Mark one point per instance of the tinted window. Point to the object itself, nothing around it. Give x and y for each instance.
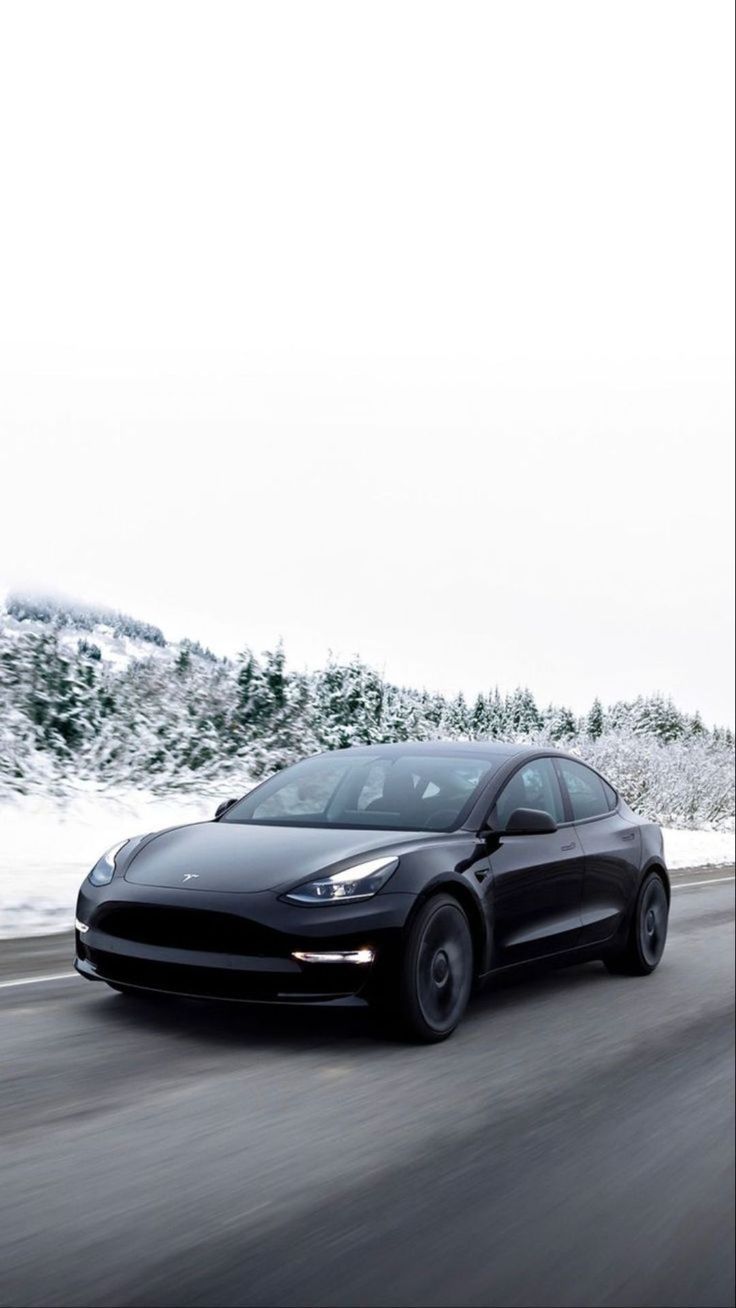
(586, 791)
(533, 786)
(297, 794)
(610, 794)
(399, 792)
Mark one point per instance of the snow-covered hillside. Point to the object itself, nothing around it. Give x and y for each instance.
(114, 647)
(98, 697)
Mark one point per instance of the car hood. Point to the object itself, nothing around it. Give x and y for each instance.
(234, 856)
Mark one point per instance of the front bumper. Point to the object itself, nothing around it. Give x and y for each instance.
(234, 946)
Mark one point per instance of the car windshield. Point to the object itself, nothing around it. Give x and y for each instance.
(406, 792)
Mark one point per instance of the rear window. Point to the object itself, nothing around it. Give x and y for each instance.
(586, 789)
(610, 795)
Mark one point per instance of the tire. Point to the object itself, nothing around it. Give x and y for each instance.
(436, 971)
(647, 936)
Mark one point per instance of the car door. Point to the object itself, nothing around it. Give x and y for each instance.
(537, 879)
(611, 843)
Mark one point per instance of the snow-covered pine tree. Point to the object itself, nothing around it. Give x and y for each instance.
(480, 719)
(559, 723)
(595, 721)
(183, 661)
(433, 709)
(496, 715)
(253, 707)
(458, 718)
(348, 704)
(656, 716)
(522, 717)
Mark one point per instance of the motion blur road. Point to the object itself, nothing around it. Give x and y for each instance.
(571, 1144)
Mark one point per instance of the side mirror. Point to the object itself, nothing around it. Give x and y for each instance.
(529, 822)
(224, 806)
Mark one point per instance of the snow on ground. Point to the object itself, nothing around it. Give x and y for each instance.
(48, 846)
(698, 848)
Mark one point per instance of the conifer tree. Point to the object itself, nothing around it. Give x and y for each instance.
(594, 722)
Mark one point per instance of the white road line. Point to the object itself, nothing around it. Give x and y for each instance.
(712, 881)
(33, 980)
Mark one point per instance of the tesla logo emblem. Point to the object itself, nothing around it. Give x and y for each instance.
(191, 876)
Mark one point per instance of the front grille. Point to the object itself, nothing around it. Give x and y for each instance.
(207, 982)
(188, 928)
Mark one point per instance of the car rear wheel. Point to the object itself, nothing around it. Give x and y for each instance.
(647, 936)
(436, 974)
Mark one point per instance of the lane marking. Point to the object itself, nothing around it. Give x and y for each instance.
(73, 976)
(712, 881)
(33, 980)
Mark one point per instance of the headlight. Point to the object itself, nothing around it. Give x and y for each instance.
(104, 869)
(358, 882)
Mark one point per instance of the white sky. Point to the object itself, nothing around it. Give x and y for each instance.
(399, 329)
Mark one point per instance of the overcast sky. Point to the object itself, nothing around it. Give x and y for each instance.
(404, 330)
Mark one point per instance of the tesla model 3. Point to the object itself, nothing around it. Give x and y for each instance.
(401, 874)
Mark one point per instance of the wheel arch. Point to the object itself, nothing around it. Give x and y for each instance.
(473, 911)
(655, 865)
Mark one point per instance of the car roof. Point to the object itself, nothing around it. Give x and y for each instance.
(490, 749)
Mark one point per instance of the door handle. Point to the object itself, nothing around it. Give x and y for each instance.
(564, 848)
(628, 835)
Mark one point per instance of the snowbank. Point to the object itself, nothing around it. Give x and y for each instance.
(48, 846)
(698, 848)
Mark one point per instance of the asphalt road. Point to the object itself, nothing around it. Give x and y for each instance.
(573, 1143)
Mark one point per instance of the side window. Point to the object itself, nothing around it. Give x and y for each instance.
(534, 786)
(371, 789)
(611, 796)
(586, 790)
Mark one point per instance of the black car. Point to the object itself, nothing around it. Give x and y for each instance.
(402, 874)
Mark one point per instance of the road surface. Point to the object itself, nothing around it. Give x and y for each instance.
(571, 1144)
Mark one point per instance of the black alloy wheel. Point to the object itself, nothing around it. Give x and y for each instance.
(647, 936)
(437, 970)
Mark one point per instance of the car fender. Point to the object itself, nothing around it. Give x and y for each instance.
(475, 908)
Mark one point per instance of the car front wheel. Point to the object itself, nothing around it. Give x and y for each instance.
(436, 974)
